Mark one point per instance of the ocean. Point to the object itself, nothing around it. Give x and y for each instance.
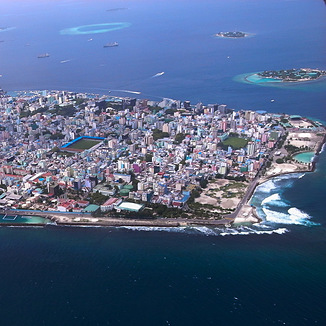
(175, 37)
(268, 274)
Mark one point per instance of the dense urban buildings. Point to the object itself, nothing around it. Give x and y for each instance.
(73, 152)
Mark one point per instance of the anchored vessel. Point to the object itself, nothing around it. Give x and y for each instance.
(45, 55)
(231, 34)
(110, 45)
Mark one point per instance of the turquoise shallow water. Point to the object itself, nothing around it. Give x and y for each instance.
(94, 29)
(304, 157)
(24, 219)
(254, 78)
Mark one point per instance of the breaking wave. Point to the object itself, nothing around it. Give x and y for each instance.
(276, 231)
(210, 231)
(274, 200)
(293, 216)
(153, 228)
(267, 186)
(273, 208)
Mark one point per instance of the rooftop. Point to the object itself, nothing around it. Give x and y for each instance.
(91, 208)
(127, 206)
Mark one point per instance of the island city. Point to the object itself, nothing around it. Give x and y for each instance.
(74, 159)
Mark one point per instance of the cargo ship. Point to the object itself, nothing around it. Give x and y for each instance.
(110, 45)
(45, 55)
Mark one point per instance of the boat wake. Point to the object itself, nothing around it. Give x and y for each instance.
(158, 74)
(125, 91)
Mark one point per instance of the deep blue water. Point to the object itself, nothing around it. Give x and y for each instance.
(272, 274)
(171, 36)
(70, 276)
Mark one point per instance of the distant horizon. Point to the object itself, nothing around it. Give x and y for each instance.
(197, 65)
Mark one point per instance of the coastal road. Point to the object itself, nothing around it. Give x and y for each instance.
(245, 198)
(67, 219)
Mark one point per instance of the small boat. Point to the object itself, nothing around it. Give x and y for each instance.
(159, 74)
(272, 101)
(45, 55)
(110, 45)
(116, 9)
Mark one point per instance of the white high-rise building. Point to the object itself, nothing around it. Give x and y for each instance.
(251, 148)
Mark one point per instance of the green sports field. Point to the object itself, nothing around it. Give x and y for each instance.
(84, 144)
(235, 142)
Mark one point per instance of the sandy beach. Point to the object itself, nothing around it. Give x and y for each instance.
(277, 169)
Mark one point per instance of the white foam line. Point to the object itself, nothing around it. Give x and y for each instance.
(274, 197)
(81, 226)
(267, 186)
(277, 231)
(206, 230)
(153, 228)
(23, 226)
(290, 176)
(294, 216)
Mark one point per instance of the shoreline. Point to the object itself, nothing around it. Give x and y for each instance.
(254, 214)
(64, 220)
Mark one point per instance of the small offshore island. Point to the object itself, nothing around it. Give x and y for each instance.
(84, 159)
(289, 75)
(232, 34)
